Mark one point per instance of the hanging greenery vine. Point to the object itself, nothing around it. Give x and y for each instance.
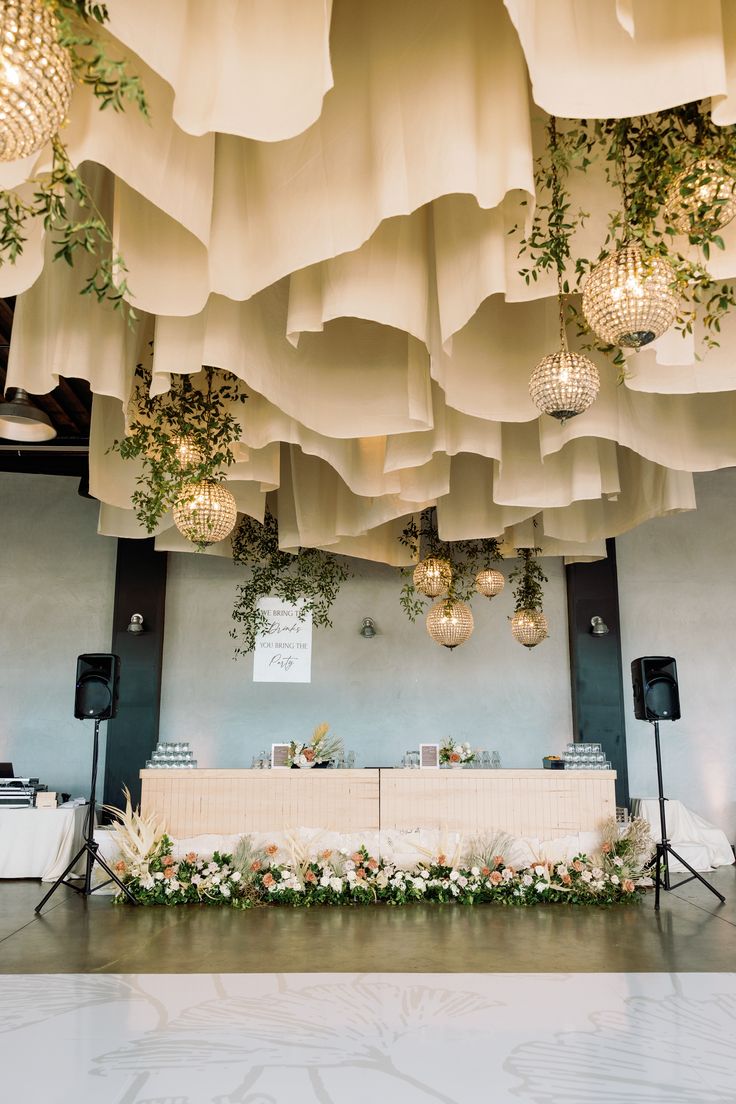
(60, 198)
(466, 559)
(181, 437)
(675, 171)
(309, 577)
(527, 578)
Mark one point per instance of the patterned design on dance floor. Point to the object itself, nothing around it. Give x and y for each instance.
(397, 1038)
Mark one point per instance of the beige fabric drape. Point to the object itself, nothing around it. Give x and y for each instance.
(323, 204)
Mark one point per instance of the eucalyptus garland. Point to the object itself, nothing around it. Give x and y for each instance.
(466, 558)
(310, 578)
(644, 157)
(60, 198)
(184, 436)
(527, 578)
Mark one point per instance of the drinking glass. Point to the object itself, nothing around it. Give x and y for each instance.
(350, 759)
(495, 761)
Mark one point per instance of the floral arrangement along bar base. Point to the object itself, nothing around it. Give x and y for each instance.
(289, 876)
(321, 750)
(456, 755)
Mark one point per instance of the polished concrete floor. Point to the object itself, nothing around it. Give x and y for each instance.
(692, 932)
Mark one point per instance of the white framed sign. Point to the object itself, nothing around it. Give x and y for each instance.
(279, 755)
(283, 652)
(429, 756)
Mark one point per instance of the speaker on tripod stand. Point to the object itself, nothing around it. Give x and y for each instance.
(657, 698)
(95, 698)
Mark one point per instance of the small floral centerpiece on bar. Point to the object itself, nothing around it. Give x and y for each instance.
(455, 755)
(320, 750)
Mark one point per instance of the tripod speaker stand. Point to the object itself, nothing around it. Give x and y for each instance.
(95, 697)
(665, 848)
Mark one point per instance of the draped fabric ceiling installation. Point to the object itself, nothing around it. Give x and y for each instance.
(322, 204)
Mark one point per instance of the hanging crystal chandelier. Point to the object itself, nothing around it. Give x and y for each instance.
(564, 384)
(186, 453)
(35, 77)
(433, 576)
(702, 197)
(450, 622)
(630, 299)
(529, 627)
(205, 512)
(489, 582)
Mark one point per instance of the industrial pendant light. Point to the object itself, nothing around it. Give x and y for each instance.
(22, 420)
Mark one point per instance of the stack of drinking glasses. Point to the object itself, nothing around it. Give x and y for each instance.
(586, 757)
(168, 756)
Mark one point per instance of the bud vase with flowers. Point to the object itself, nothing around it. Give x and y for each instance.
(320, 751)
(455, 755)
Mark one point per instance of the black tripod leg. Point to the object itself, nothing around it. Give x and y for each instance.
(657, 877)
(113, 877)
(695, 874)
(62, 877)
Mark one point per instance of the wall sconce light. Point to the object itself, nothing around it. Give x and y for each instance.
(136, 624)
(368, 629)
(598, 626)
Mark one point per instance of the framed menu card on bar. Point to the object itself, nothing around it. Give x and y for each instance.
(279, 755)
(429, 756)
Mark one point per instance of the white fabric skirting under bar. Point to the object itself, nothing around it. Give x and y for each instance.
(699, 842)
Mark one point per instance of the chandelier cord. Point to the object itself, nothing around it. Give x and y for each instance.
(558, 239)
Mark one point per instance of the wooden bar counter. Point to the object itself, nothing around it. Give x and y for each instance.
(546, 804)
(225, 802)
(539, 803)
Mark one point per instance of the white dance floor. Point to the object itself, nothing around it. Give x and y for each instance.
(358, 1039)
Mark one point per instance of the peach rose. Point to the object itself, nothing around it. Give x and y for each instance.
(495, 878)
(357, 857)
(120, 866)
(454, 757)
(325, 855)
(485, 871)
(308, 754)
(498, 860)
(268, 879)
(168, 860)
(372, 864)
(192, 857)
(577, 865)
(442, 860)
(169, 872)
(310, 876)
(255, 866)
(566, 879)
(271, 849)
(627, 885)
(605, 848)
(360, 872)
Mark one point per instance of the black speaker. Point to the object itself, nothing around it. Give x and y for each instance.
(656, 694)
(96, 694)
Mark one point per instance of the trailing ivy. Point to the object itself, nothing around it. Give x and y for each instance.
(60, 198)
(309, 577)
(466, 557)
(202, 420)
(527, 578)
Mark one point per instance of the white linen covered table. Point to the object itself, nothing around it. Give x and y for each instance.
(38, 843)
(700, 843)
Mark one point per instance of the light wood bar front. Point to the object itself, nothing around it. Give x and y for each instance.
(539, 803)
(545, 804)
(226, 802)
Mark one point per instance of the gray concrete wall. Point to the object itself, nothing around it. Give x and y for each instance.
(677, 588)
(57, 580)
(382, 695)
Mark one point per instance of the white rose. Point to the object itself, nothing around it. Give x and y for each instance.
(617, 860)
(325, 880)
(225, 891)
(216, 880)
(454, 876)
(506, 874)
(527, 880)
(336, 884)
(597, 872)
(562, 870)
(235, 876)
(587, 876)
(462, 882)
(615, 879)
(540, 887)
(351, 876)
(475, 871)
(540, 871)
(158, 876)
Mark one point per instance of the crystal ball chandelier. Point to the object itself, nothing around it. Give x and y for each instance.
(433, 576)
(35, 77)
(205, 512)
(564, 384)
(489, 582)
(630, 299)
(186, 453)
(701, 197)
(450, 622)
(529, 627)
